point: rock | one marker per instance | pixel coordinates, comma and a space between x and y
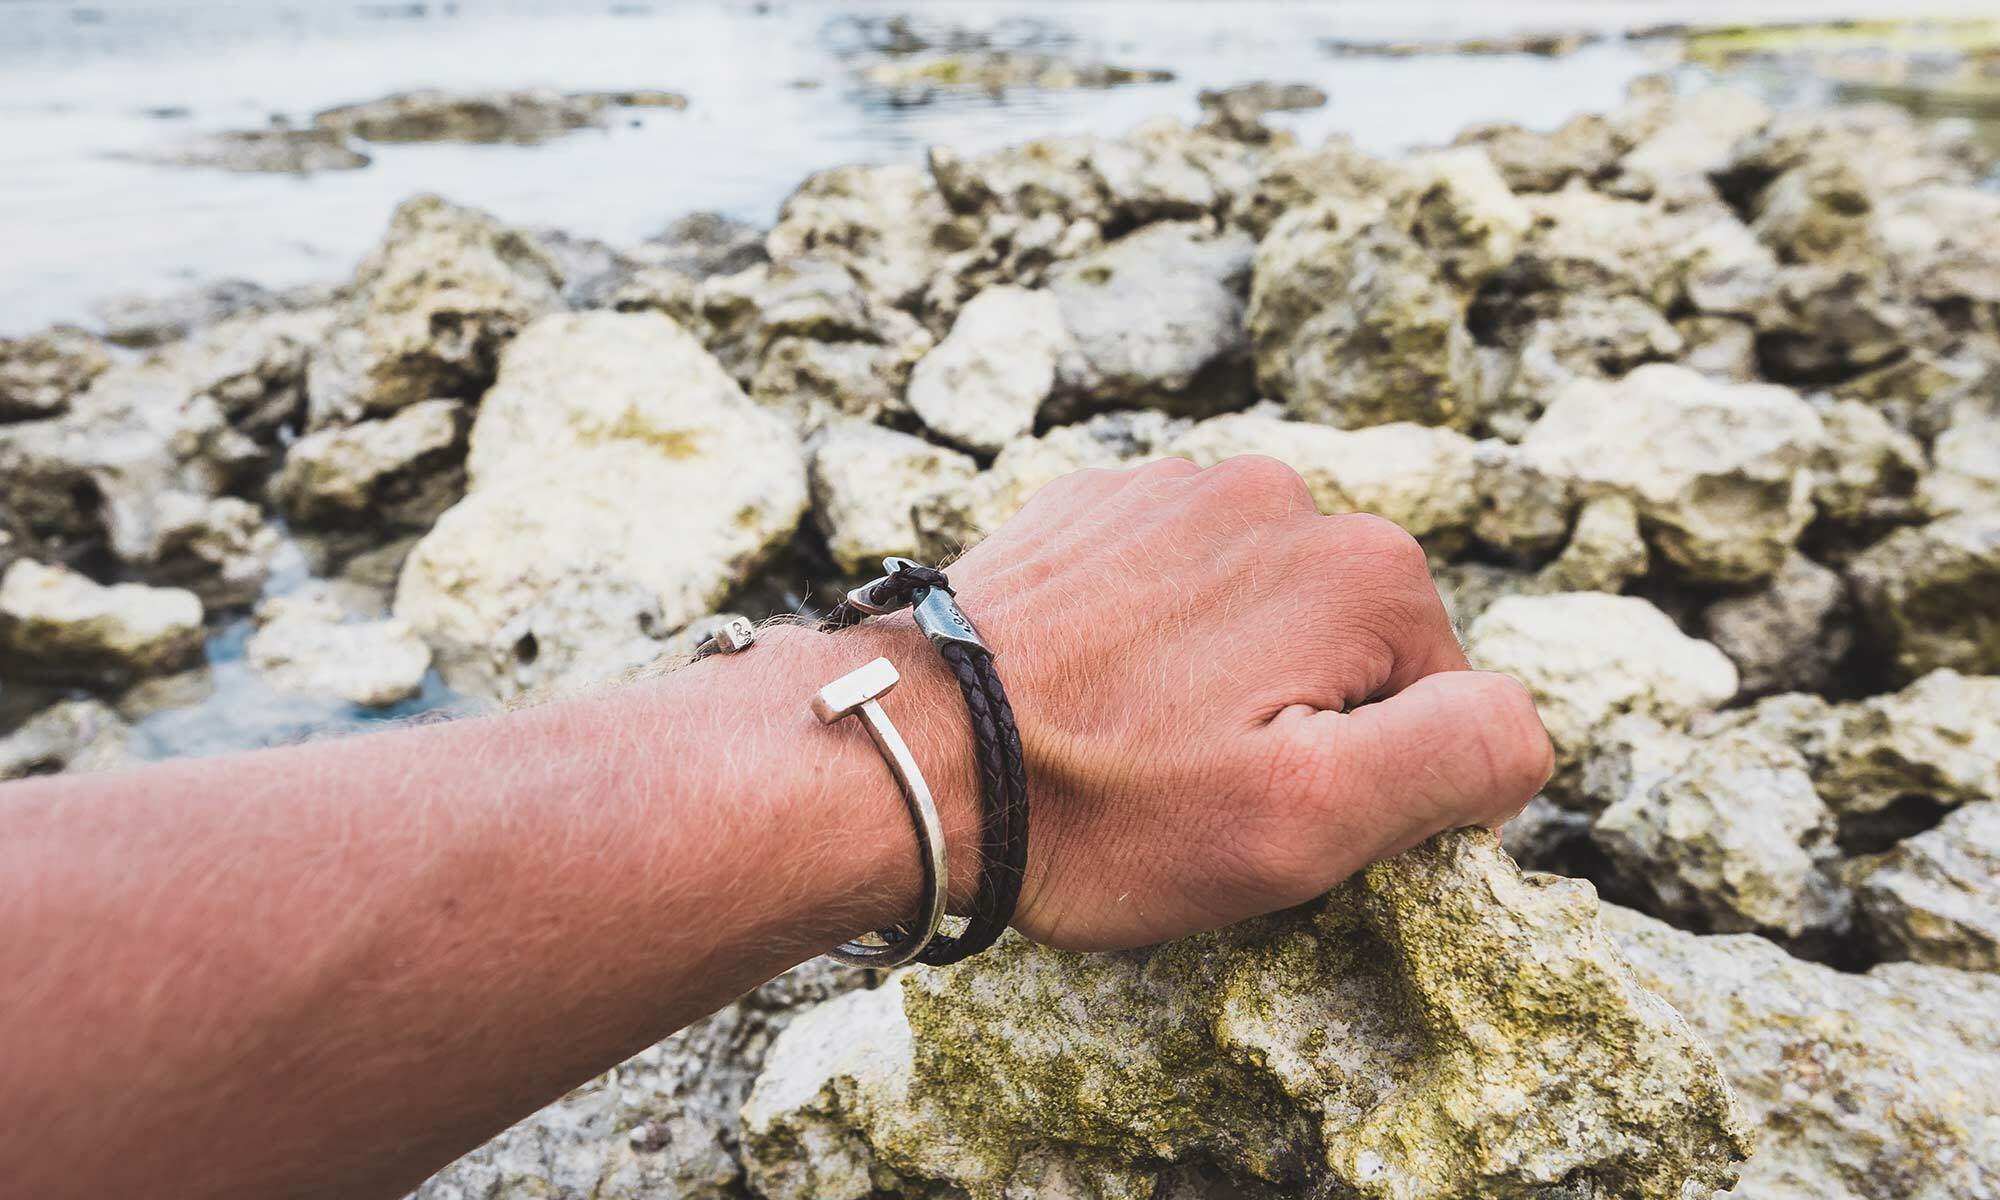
308, 644
1545, 45
666, 1122
1731, 834
983, 384
1456, 206
1935, 898
1585, 147
1722, 347
1719, 267
1581, 242
524, 117
1719, 472
1696, 138
701, 244
431, 307
1049, 176
1295, 177
1000, 71
39, 374
1605, 551
219, 548
1587, 336
1940, 238
68, 736
1238, 112
888, 225
1545, 836
955, 518
865, 481
1790, 635
1825, 324
1469, 588
740, 316
1928, 594
1867, 470
594, 273
813, 382
1590, 658
145, 320
55, 623
1938, 738
1156, 319
613, 458
1352, 324
1965, 468
260, 151
1860, 1086
1440, 1026
1415, 475
1160, 171
403, 470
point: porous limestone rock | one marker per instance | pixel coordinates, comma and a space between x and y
403, 470
1581, 241
1589, 336
1695, 137
865, 481
1935, 897
39, 374
1605, 551
614, 455
1790, 635
1353, 324
278, 151
814, 382
1585, 147
1456, 205
1867, 471
1861, 1087
887, 224
1724, 347
70, 735
310, 644
1965, 470
740, 317
1156, 319
954, 518
1296, 177
429, 310
1929, 594
1238, 112
524, 116
56, 623
1727, 831
1418, 476
1590, 658
1160, 171
983, 384
220, 548
1720, 472
1439, 1026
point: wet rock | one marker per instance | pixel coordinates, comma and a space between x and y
982, 386
261, 151
1385, 1041
954, 518
403, 470
1730, 834
1156, 319
1790, 635
310, 644
1352, 324
1590, 658
613, 457
1239, 112
1544, 44
1001, 71
865, 481
430, 309
523, 117
888, 225
72, 735
1928, 594
57, 624
1720, 472
1415, 475
39, 374
1859, 1086
1935, 898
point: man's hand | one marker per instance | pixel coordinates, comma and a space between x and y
1228, 701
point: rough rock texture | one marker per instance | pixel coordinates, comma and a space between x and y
886, 224
1935, 897
1929, 594
1863, 1087
39, 374
403, 470
523, 117
1156, 318
1456, 205
1965, 472
1727, 831
310, 644
1399, 1038
1867, 470
430, 308
1590, 658
1606, 549
1417, 476
865, 481
983, 384
260, 151
57, 623
1938, 737
73, 735
614, 458
1790, 635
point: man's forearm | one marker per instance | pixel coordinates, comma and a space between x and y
450, 925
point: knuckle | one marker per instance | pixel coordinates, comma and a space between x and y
1162, 468
1383, 541
1259, 481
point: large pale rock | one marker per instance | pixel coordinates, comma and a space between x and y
1418, 476
1935, 898
56, 623
1353, 324
1695, 137
865, 482
887, 224
1295, 177
983, 384
309, 644
614, 455
39, 374
814, 382
402, 470
1581, 241
430, 308
72, 735
1790, 635
1965, 473
1156, 319
1162, 170
1590, 658
1606, 550
1932, 594
1440, 1026
1867, 470
1720, 472
1457, 206
1862, 1087
1584, 336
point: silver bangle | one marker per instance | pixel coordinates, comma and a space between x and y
858, 692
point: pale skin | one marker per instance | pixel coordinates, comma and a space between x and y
327, 970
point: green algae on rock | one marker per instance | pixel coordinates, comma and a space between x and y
1439, 1026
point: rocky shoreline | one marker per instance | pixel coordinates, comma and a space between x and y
1695, 406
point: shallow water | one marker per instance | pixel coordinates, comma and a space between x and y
773, 91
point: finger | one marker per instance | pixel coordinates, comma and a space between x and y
1380, 580
1454, 749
